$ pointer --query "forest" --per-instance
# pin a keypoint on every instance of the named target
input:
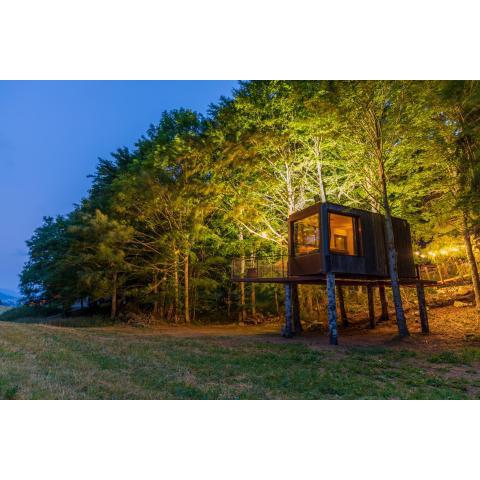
(162, 220)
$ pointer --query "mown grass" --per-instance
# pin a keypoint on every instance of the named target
(38, 361)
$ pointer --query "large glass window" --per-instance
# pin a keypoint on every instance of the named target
(344, 234)
(306, 235)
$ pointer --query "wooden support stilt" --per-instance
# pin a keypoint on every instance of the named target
(422, 307)
(341, 301)
(383, 302)
(297, 324)
(332, 308)
(371, 308)
(287, 329)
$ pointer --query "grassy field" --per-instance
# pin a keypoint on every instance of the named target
(42, 362)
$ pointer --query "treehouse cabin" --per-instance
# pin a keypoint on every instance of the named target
(336, 245)
(346, 241)
(327, 237)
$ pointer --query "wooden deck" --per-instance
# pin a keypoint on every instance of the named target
(322, 279)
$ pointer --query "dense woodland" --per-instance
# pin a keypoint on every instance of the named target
(162, 221)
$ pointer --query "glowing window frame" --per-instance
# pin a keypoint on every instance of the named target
(357, 234)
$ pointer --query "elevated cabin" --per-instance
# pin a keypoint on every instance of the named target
(346, 241)
(337, 246)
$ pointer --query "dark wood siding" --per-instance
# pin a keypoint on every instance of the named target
(379, 258)
(348, 264)
(310, 264)
(372, 258)
(403, 244)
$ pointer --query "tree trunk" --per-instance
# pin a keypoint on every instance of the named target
(309, 301)
(113, 311)
(290, 190)
(390, 240)
(155, 293)
(297, 325)
(321, 186)
(422, 308)
(371, 306)
(287, 329)
(341, 301)
(392, 264)
(252, 294)
(277, 307)
(392, 258)
(383, 303)
(176, 288)
(332, 309)
(229, 301)
(471, 259)
(243, 312)
(186, 289)
(253, 300)
(439, 270)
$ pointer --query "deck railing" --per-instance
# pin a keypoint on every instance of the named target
(272, 266)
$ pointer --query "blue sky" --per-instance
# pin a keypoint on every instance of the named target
(51, 135)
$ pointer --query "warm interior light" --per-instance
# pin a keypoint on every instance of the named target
(306, 235)
(342, 234)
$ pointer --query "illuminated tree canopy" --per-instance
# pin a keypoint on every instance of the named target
(163, 219)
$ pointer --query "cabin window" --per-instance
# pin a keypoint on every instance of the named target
(306, 235)
(344, 234)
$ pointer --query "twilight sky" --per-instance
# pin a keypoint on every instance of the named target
(51, 135)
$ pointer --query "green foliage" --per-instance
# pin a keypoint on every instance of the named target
(28, 312)
(161, 220)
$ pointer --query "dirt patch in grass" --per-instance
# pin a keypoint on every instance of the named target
(450, 327)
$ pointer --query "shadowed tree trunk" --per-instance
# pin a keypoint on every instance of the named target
(341, 302)
(253, 300)
(229, 301)
(277, 306)
(383, 303)
(155, 293)
(113, 312)
(371, 306)
(297, 325)
(471, 259)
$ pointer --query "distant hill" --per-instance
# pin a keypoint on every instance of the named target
(8, 298)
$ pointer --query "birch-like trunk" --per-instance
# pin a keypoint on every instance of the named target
(321, 186)
(392, 265)
(332, 309)
(390, 239)
(471, 259)
(186, 289)
(290, 189)
(252, 294)
(176, 286)
(242, 274)
(287, 330)
(319, 164)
